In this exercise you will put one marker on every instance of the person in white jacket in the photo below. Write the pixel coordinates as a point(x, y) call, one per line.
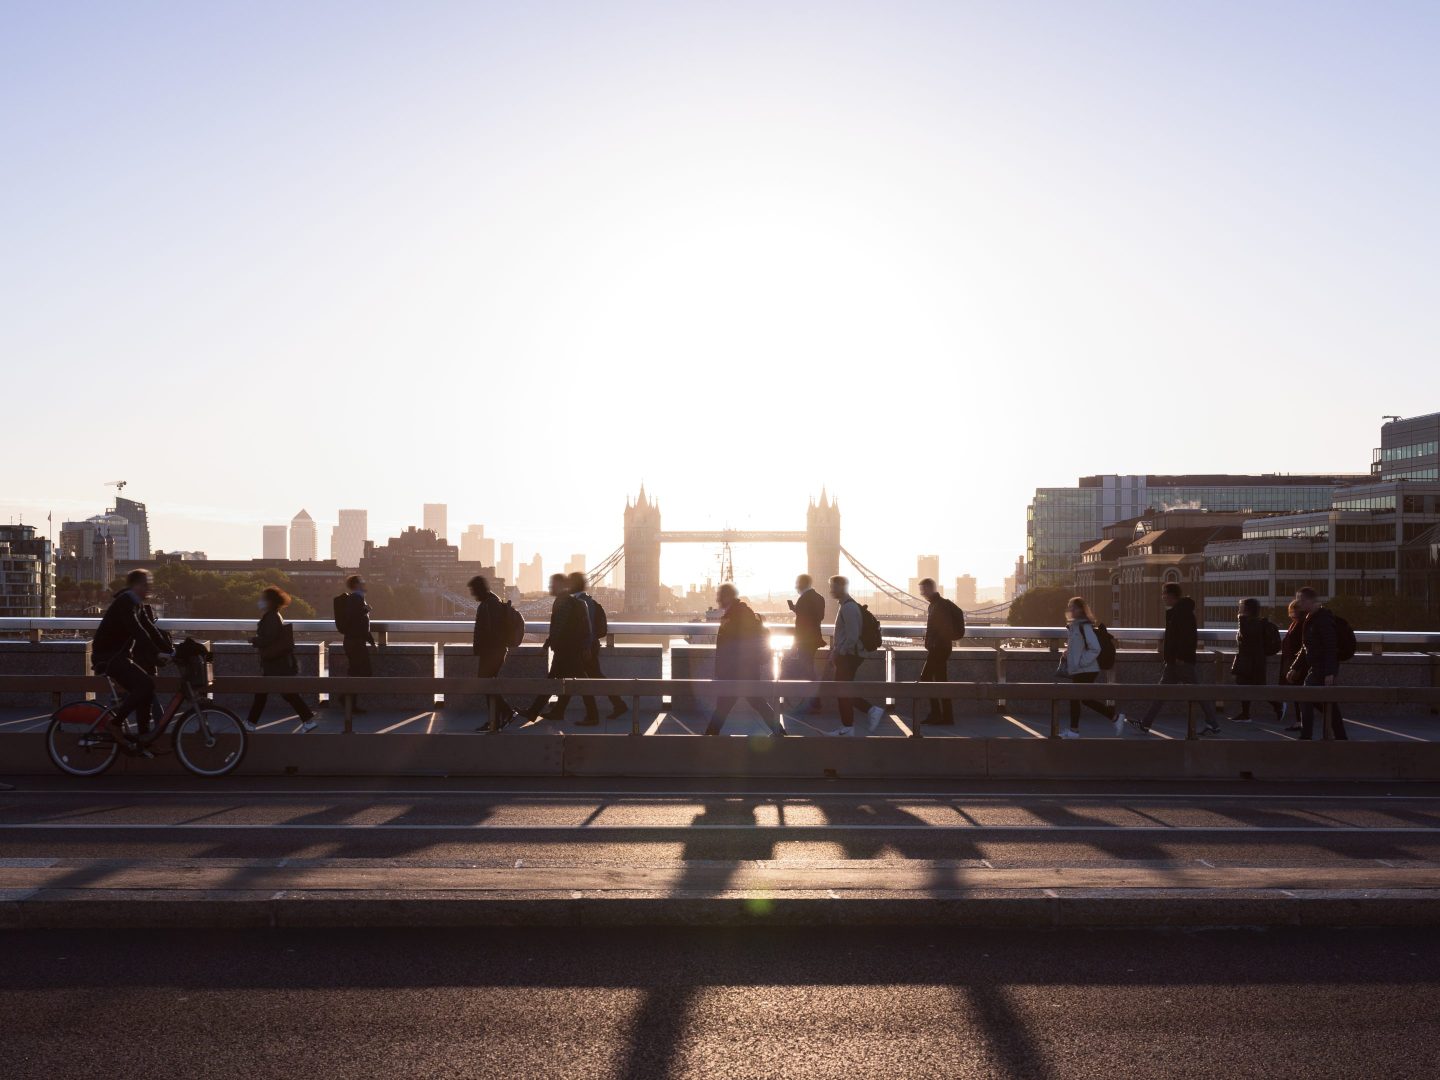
point(1082, 662)
point(847, 656)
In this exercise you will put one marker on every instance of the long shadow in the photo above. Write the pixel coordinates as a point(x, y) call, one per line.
point(658, 1031)
point(1009, 1041)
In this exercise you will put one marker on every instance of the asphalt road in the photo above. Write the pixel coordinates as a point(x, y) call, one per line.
point(707, 1003)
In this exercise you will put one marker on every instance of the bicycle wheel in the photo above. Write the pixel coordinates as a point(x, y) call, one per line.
point(210, 740)
point(79, 740)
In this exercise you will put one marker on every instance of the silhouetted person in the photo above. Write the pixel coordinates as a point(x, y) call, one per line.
point(569, 638)
point(1177, 649)
point(847, 655)
point(490, 644)
point(1082, 663)
point(943, 620)
point(1256, 640)
point(127, 647)
point(352, 619)
point(1320, 650)
point(596, 627)
point(274, 640)
point(1292, 664)
point(742, 651)
point(809, 609)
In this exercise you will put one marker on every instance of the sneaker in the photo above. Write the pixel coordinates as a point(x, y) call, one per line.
point(1120, 722)
point(842, 732)
point(1138, 725)
point(876, 715)
point(1068, 734)
point(308, 724)
point(1210, 731)
point(1241, 719)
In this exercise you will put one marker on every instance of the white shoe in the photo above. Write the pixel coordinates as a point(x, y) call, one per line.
point(1068, 734)
point(1120, 723)
point(876, 715)
point(842, 732)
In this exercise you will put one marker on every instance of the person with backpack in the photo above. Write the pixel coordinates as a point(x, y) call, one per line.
point(596, 626)
point(1326, 641)
point(491, 642)
point(1256, 640)
point(352, 619)
point(799, 662)
point(127, 649)
point(1292, 670)
point(274, 640)
point(1177, 649)
point(742, 651)
point(568, 640)
point(1084, 648)
point(944, 625)
point(856, 631)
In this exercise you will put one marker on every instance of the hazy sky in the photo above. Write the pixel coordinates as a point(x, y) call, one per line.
point(518, 258)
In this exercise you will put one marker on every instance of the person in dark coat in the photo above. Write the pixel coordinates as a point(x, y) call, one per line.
point(275, 642)
point(742, 651)
point(489, 643)
point(1292, 667)
point(1254, 641)
point(1177, 649)
point(596, 625)
point(353, 621)
point(127, 648)
point(568, 640)
point(1320, 650)
point(940, 626)
point(809, 609)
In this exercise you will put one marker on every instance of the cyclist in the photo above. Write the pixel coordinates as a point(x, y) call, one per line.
point(127, 649)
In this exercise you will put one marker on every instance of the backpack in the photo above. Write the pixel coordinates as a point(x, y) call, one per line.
point(1345, 644)
point(957, 619)
point(513, 623)
point(870, 637)
point(602, 624)
point(1106, 660)
point(341, 616)
point(1272, 638)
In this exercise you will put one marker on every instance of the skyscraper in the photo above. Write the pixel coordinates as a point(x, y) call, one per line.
point(434, 519)
point(348, 539)
point(139, 519)
point(966, 592)
point(506, 567)
point(532, 576)
point(576, 565)
point(475, 546)
point(275, 542)
point(304, 538)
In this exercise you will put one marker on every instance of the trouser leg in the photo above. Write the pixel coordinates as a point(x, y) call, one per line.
point(767, 713)
point(296, 702)
point(139, 690)
point(257, 708)
point(1167, 678)
point(717, 717)
point(937, 669)
point(845, 669)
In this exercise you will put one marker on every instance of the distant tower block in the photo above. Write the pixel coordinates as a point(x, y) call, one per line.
point(822, 540)
point(642, 556)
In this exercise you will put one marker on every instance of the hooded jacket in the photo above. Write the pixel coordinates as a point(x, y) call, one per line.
point(1181, 633)
point(742, 645)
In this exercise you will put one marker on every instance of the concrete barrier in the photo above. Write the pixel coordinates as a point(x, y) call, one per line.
point(41, 658)
point(391, 661)
point(458, 661)
point(236, 658)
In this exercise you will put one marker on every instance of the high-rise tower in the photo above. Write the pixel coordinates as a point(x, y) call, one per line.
point(642, 555)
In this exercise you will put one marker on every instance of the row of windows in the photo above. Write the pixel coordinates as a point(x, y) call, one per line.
point(1430, 473)
point(1249, 560)
point(1366, 502)
point(1287, 587)
point(1413, 450)
point(1378, 533)
point(1365, 560)
point(1278, 531)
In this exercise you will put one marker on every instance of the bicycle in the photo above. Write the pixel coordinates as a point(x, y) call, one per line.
point(85, 738)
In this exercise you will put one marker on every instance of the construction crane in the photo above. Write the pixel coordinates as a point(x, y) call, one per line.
point(118, 485)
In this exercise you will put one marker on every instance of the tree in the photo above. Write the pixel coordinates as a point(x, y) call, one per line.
point(1040, 607)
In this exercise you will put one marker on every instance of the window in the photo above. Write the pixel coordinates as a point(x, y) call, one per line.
point(1252, 561)
point(1378, 533)
point(1408, 452)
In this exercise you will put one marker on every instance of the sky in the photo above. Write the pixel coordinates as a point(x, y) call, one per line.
point(520, 258)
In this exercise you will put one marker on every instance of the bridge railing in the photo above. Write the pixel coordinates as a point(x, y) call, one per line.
point(345, 690)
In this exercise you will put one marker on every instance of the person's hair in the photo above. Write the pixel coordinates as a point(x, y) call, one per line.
point(1084, 606)
point(1250, 606)
point(135, 577)
point(1306, 593)
point(578, 581)
point(1293, 609)
point(557, 577)
point(353, 581)
point(927, 581)
point(728, 586)
point(840, 580)
point(478, 583)
point(1172, 588)
point(804, 581)
point(276, 597)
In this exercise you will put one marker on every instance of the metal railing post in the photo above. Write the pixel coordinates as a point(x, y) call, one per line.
point(1327, 722)
point(494, 710)
point(635, 715)
point(1054, 719)
point(1190, 732)
point(999, 676)
point(349, 714)
point(916, 723)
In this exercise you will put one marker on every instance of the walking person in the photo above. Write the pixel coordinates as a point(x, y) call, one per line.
point(490, 644)
point(1292, 669)
point(1081, 664)
point(1320, 650)
point(1256, 640)
point(1177, 649)
point(274, 640)
point(809, 609)
point(598, 626)
point(944, 622)
point(568, 640)
point(352, 619)
point(847, 654)
point(127, 648)
point(742, 651)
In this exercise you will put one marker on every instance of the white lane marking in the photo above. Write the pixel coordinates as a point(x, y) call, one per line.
point(199, 826)
point(1023, 726)
point(1386, 730)
point(570, 796)
point(655, 724)
point(402, 723)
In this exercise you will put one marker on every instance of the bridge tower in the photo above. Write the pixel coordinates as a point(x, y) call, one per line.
point(642, 555)
point(822, 541)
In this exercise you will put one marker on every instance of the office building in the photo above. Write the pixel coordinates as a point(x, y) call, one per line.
point(139, 519)
point(304, 538)
point(434, 519)
point(275, 542)
point(576, 565)
point(1409, 449)
point(531, 577)
point(347, 539)
point(475, 546)
point(967, 591)
point(1062, 521)
point(27, 573)
point(506, 566)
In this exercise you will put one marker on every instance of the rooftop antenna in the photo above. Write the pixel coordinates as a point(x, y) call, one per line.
point(118, 485)
point(1389, 419)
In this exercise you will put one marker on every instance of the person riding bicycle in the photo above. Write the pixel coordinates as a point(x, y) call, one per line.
point(127, 649)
